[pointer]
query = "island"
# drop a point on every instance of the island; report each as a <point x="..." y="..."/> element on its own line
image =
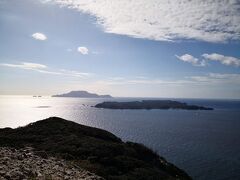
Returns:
<point x="55" y="147"/>
<point x="150" y="104"/>
<point x="82" y="94"/>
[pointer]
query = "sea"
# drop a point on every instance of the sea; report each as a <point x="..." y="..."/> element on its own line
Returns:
<point x="206" y="144"/>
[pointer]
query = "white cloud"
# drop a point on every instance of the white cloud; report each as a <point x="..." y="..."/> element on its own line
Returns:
<point x="206" y="20"/>
<point x="226" y="60"/>
<point x="39" y="36"/>
<point x="188" y="58"/>
<point x="83" y="50"/>
<point x="192" y="60"/>
<point x="46" y="70"/>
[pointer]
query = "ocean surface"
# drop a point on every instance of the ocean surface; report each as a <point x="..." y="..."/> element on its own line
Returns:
<point x="206" y="144"/>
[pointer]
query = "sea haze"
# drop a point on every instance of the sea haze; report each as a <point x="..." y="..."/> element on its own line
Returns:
<point x="203" y="143"/>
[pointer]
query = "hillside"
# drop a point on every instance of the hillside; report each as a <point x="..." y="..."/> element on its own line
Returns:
<point x="95" y="150"/>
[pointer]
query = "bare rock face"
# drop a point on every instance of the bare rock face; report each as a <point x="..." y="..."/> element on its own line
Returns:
<point x="25" y="164"/>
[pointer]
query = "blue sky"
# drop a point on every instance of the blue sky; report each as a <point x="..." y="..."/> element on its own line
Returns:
<point x="50" y="47"/>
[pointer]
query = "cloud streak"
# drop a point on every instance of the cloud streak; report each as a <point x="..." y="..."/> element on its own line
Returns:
<point x="25" y="65"/>
<point x="39" y="36"/>
<point x="46" y="70"/>
<point x="211" y="79"/>
<point x="216" y="78"/>
<point x="161" y="20"/>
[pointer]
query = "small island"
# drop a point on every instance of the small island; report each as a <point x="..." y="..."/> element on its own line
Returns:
<point x="150" y="104"/>
<point x="82" y="94"/>
<point x="56" y="147"/>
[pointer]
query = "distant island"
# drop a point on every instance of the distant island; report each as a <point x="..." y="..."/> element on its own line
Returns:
<point x="56" y="147"/>
<point x="37" y="96"/>
<point x="150" y="104"/>
<point x="82" y="94"/>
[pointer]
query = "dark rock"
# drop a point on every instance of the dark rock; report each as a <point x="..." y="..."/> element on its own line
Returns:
<point x="42" y="154"/>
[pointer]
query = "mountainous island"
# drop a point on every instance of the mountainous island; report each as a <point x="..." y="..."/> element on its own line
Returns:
<point x="55" y="147"/>
<point x="82" y="94"/>
<point x="150" y="104"/>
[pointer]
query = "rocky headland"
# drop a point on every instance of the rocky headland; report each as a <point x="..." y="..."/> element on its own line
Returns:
<point x="55" y="148"/>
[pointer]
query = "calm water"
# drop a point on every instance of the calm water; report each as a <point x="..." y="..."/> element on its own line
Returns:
<point x="204" y="143"/>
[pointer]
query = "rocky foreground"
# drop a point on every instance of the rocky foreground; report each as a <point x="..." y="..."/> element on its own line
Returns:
<point x="26" y="164"/>
<point x="61" y="149"/>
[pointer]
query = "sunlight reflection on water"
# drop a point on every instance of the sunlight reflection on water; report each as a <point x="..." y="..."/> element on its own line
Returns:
<point x="204" y="143"/>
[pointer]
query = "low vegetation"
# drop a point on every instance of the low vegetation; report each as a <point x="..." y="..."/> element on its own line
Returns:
<point x="93" y="149"/>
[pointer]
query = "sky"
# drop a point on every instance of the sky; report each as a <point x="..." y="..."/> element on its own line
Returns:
<point x="154" y="48"/>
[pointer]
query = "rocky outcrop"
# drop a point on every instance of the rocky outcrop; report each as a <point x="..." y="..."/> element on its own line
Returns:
<point x="150" y="104"/>
<point x="25" y="163"/>
<point x="98" y="151"/>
